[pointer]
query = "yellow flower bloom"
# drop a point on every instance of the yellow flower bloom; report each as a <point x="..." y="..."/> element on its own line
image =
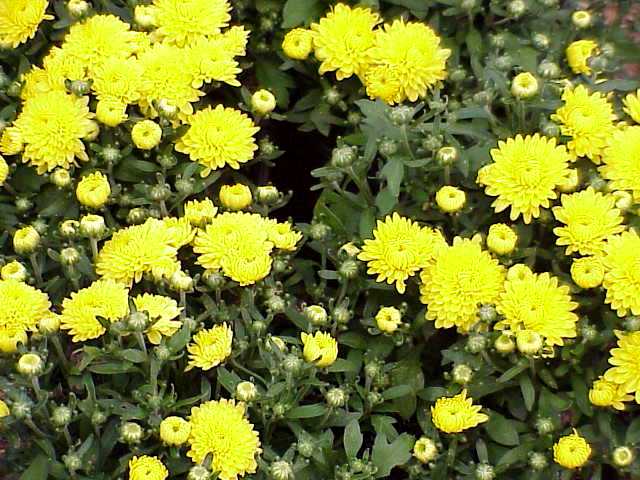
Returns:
<point x="9" y="341"/>
<point x="21" y="309"/>
<point x="320" y="348"/>
<point x="162" y="311"/>
<point x="282" y="235"/>
<point x="405" y="62"/>
<point x="536" y="302"/>
<point x="462" y="277"/>
<point x="174" y="431"/>
<point x="590" y="218"/>
<point x="51" y="127"/>
<point x="571" y="182"/>
<point x="199" y="212"/>
<point x="133" y="251"/>
<point x="4" y="410"/>
<point x="103" y="299"/>
<point x="399" y="249"/>
<point x="263" y="102"/>
<point x="622" y="277"/>
<point x="147" y="468"/>
<point x="456" y="414"/>
<point x="146" y="134"/>
<point x="213" y="58"/>
<point x="118" y="79"/>
<point x="26" y="240"/>
<point x="343" y="40"/>
<point x="621" y="161"/>
<point x="210" y="347"/>
<point x="13" y="271"/>
<point x="626" y="368"/>
<point x="388" y="319"/>
<point x="93" y="190"/>
<point x="524" y="174"/>
<point x="524" y="85"/>
<point x="235" y="197"/>
<point x="528" y="342"/>
<point x="632" y="105"/>
<point x="587" y="119"/>
<point x="4" y="170"/>
<point x="450" y="199"/>
<point x="183" y="21"/>
<point x="179" y="231"/>
<point x="608" y="394"/>
<point x="247" y="265"/>
<point x="298" y="43"/>
<point x="111" y="112"/>
<point x="578" y="54"/>
<point x="11" y="142"/>
<point x="587" y="272"/>
<point x="571" y="451"/>
<point x="219" y="428"/>
<point x="58" y="67"/>
<point x="19" y="20"/>
<point x="501" y="239"/>
<point x="30" y="364"/>
<point x="217" y="137"/>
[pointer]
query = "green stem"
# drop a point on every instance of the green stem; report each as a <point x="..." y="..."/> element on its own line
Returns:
<point x="405" y="138"/>
<point x="94" y="247"/>
<point x="60" y="352"/>
<point x="37" y="271"/>
<point x="248" y="372"/>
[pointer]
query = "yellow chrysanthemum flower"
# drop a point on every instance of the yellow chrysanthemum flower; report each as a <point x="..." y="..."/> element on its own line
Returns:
<point x="590" y="218"/>
<point x="298" y="43"/>
<point x="11" y="142"/>
<point x="622" y="277"/>
<point x="162" y="311"/>
<point x="282" y="236"/>
<point x="405" y="62"/>
<point x="456" y="414"/>
<point x="320" y="348"/>
<point x="501" y="239"/>
<point x="81" y="313"/>
<point x="213" y="59"/>
<point x="179" y="231"/>
<point x="111" y="112"/>
<point x="134" y="251"/>
<point x="199" y="212"/>
<point x="51" y="126"/>
<point x="587" y="272"/>
<point x="19" y="20"/>
<point x="235" y="197"/>
<point x="57" y="67"/>
<point x="632" y="105"/>
<point x="578" y="54"/>
<point x="219" y="428"/>
<point x="626" y="367"/>
<point x="399" y="249"/>
<point x="343" y="40"/>
<point x="587" y="119"/>
<point x="4" y="409"/>
<point x="536" y="302"/>
<point x="388" y="319"/>
<point x="621" y="161"/>
<point x="118" y="79"/>
<point x="571" y="451"/>
<point x="462" y="277"/>
<point x="608" y="394"/>
<point x="147" y="468"/>
<point x="217" y="137"/>
<point x="524" y="174"/>
<point x="4" y="170"/>
<point x="9" y="341"/>
<point x="174" y="431"/>
<point x="21" y="309"/>
<point x="146" y="134"/>
<point x="13" y="271"/>
<point x="93" y="190"/>
<point x="184" y="21"/>
<point x="247" y="264"/>
<point x="450" y="199"/>
<point x="210" y="348"/>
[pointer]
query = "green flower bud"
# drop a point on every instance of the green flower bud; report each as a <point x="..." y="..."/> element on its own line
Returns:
<point x="341" y="315"/>
<point x="476" y="343"/>
<point x="215" y="280"/>
<point x="549" y="69"/>
<point x="487" y="313"/>
<point x="281" y="470"/>
<point x="246" y="391"/>
<point x="538" y="461"/>
<point x="516" y="7"/>
<point x="632" y="323"/>
<point x="266" y="147"/>
<point x="458" y="75"/>
<point x="61" y="416"/>
<point x="504" y="344"/>
<point x="292" y="364"/>
<point x="162" y="352"/>
<point x="159" y="193"/>
<point x="306" y="448"/>
<point x="21" y="409"/>
<point x="30" y="365"/>
<point x="544" y="425"/>
<point x="447" y="155"/>
<point x="541" y="41"/>
<point x="332" y="96"/>
<point x="349" y="269"/>
<point x="110" y="154"/>
<point x="72" y="461"/>
<point x="401" y="115"/>
<point x="342" y="157"/>
<point x="184" y="186"/>
<point x="276" y="304"/>
<point x="623" y="456"/>
<point x="80" y="87"/>
<point x="199" y="473"/>
<point x="131" y="433"/>
<point x="354" y="118"/>
<point x="484" y="471"/>
<point x="336" y="397"/>
<point x="138" y="321"/>
<point x="267" y="194"/>
<point x="319" y="231"/>
<point x="60" y="178"/>
<point x="167" y="160"/>
<point x="23" y="205"/>
<point x="69" y="256"/>
<point x="462" y="374"/>
<point x="387" y="147"/>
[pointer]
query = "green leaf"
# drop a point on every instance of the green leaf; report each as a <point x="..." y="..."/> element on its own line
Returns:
<point x="297" y="12"/>
<point x="581" y="393"/>
<point x="397" y="392"/>
<point x="393" y="171"/>
<point x="352" y="439"/>
<point x="513" y="372"/>
<point x="501" y="430"/>
<point x="38" y="470"/>
<point x="112" y="368"/>
<point x="633" y="432"/>
<point x="269" y="76"/>
<point x="307" y="411"/>
<point x="528" y="391"/>
<point x="387" y="455"/>
<point x="134" y="356"/>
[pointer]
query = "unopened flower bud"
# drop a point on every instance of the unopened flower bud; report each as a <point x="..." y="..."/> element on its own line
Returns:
<point x="332" y="96"/>
<point x="388" y="147"/>
<point x="131" y="433"/>
<point x="623" y="456"/>
<point x="550" y="129"/>
<point x="349" y="269"/>
<point x="549" y="69"/>
<point x="581" y="18"/>
<point x="484" y="471"/>
<point x="276" y="304"/>
<point x="72" y="461"/>
<point x="144" y="16"/>
<point x="98" y="417"/>
<point x="61" y="178"/>
<point x="167" y="109"/>
<point x="544" y="426"/>
<point x="372" y="369"/>
<point x="447" y="155"/>
<point x="110" y="154"/>
<point x="504" y="62"/>
<point x="624" y="200"/>
<point x="69" y="256"/>
<point x="388" y="319"/>
<point x="159" y="193"/>
<point x="77" y="8"/>
<point x="458" y="75"/>
<point x="199" y="472"/>
<point x="487" y="313"/>
<point x="342" y="157"/>
<point x="80" y="87"/>
<point x="246" y="391"/>
<point x="516" y="7"/>
<point x="306" y="448"/>
<point x="401" y="115"/>
<point x="162" y="352"/>
<point x="316" y="314"/>
<point x="292" y="364"/>
<point x="425" y="450"/>
<point x="524" y="85"/>
<point x="13" y="271"/>
<point x="319" y="231"/>
<point x="476" y="343"/>
<point x="49" y="324"/>
<point x="462" y="374"/>
<point x="184" y="186"/>
<point x="504" y="344"/>
<point x="61" y="416"/>
<point x="21" y="409"/>
<point x="336" y="397"/>
<point x="540" y="41"/>
<point x="266" y="147"/>
<point x="528" y="342"/>
<point x="267" y="194"/>
<point x="263" y="102"/>
<point x="215" y="280"/>
<point x="137" y="215"/>
<point x="538" y="461"/>
<point x="235" y="197"/>
<point x="181" y="282"/>
<point x="341" y="315"/>
<point x="92" y="226"/>
<point x="281" y="470"/>
<point x="26" y="240"/>
<point x="138" y="321"/>
<point x="30" y="364"/>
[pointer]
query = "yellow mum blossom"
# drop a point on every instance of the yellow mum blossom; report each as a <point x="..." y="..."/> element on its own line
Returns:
<point x="4" y="170"/>
<point x="405" y="62"/>
<point x="234" y="40"/>
<point x="298" y="43"/>
<point x="450" y="199"/>
<point x="571" y="451"/>
<point x="51" y="127"/>
<point x="219" y="428"/>
<point x="19" y="20"/>
<point x="399" y="249"/>
<point x="588" y="119"/>
<point x="621" y="161"/>
<point x="632" y="105"/>
<point x="4" y="409"/>
<point x="462" y="277"/>
<point x="13" y="271"/>
<point x="26" y="240"/>
<point x="247" y="264"/>
<point x="524" y="174"/>
<point x="320" y="348"/>
<point x="456" y="414"/>
<point x="235" y="197"/>
<point x="587" y="272"/>
<point x="183" y="21"/>
<point x="212" y="59"/>
<point x="174" y="431"/>
<point x="538" y="303"/>
<point x="119" y="79"/>
<point x="622" y="277"/>
<point x="608" y="394"/>
<point x="625" y="370"/>
<point x="111" y="112"/>
<point x="93" y="190"/>
<point x="590" y="218"/>
<point x="9" y="341"/>
<point x="282" y="236"/>
<point x="217" y="137"/>
<point x="210" y="348"/>
<point x="57" y="67"/>
<point x="147" y="468"/>
<point x="501" y="239"/>
<point x="133" y="251"/>
<point x="199" y="212"/>
<point x="162" y="311"/>
<point x="388" y="319"/>
<point x="179" y="231"/>
<point x="146" y="134"/>
<point x="11" y="142"/>
<point x="81" y="313"/>
<point x="578" y="54"/>
<point x="22" y="307"/>
<point x="343" y="40"/>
